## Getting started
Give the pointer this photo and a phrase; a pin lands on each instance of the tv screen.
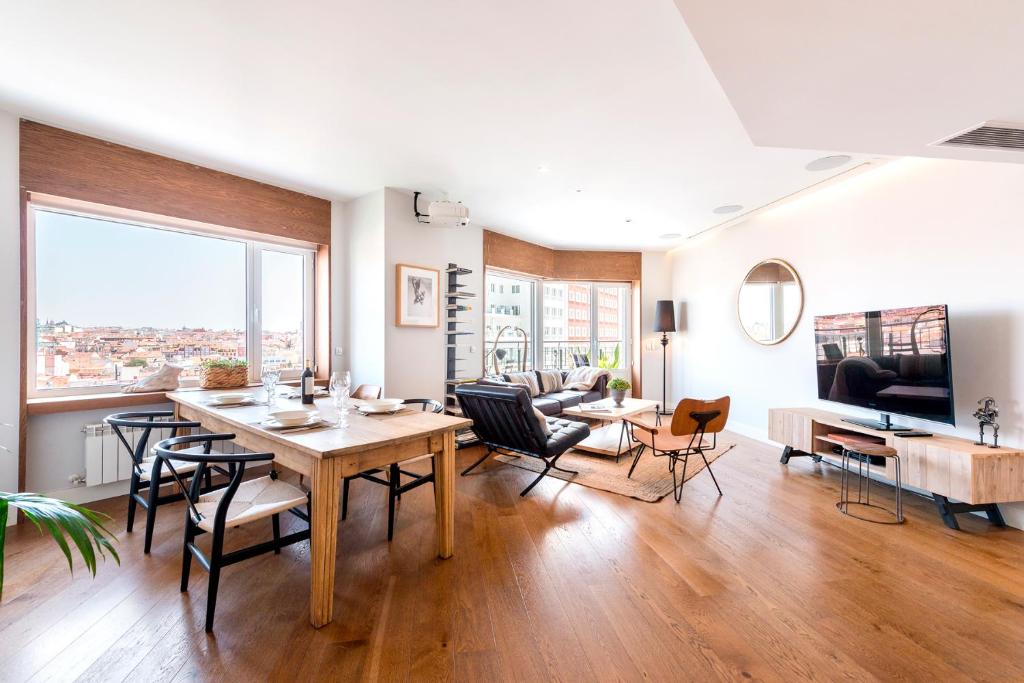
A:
(892, 361)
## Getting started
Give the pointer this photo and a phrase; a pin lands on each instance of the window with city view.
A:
(116, 301)
(576, 322)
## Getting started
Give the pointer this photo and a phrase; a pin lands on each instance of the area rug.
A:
(651, 481)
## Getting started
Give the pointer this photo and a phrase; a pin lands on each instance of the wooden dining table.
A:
(327, 455)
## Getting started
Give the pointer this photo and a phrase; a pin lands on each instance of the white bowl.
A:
(380, 405)
(290, 418)
(230, 398)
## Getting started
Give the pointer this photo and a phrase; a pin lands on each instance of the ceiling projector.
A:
(442, 212)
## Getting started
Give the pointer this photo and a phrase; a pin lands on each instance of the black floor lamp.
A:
(664, 322)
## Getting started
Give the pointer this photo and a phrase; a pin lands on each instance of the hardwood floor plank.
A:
(767, 583)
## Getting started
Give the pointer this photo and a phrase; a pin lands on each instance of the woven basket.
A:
(223, 378)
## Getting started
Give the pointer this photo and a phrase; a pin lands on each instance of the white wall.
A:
(913, 232)
(364, 300)
(339, 287)
(655, 284)
(416, 358)
(10, 303)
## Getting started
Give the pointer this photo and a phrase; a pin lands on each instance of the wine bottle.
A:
(307, 383)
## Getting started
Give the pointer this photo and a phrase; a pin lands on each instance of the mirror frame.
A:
(799, 313)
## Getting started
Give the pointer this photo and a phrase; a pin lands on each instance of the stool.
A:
(862, 454)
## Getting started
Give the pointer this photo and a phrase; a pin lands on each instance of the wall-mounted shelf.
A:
(454, 295)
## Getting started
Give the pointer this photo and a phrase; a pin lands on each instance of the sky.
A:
(93, 272)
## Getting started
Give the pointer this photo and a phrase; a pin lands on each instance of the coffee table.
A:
(608, 440)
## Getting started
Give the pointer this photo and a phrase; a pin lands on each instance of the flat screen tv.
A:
(892, 361)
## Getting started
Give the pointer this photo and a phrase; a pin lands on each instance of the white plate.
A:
(378, 409)
(290, 418)
(231, 398)
(271, 423)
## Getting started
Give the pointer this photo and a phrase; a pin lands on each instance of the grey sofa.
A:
(555, 402)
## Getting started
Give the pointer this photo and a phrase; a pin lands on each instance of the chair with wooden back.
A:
(692, 420)
(366, 392)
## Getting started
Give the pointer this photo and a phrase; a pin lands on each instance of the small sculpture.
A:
(987, 414)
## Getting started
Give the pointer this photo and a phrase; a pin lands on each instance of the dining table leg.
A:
(323, 544)
(444, 495)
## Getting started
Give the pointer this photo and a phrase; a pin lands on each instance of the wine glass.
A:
(270, 377)
(338, 387)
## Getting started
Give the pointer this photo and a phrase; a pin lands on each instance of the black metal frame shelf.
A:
(455, 304)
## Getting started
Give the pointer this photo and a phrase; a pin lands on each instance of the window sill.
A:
(114, 399)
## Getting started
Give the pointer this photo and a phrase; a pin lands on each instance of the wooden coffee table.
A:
(609, 439)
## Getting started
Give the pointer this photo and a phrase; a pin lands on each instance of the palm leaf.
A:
(61, 520)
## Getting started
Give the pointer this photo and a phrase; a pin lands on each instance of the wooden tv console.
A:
(978, 477)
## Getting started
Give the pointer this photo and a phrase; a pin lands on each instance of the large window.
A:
(508, 324)
(115, 300)
(576, 322)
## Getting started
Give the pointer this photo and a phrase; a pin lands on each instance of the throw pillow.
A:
(526, 379)
(542, 421)
(550, 380)
(164, 379)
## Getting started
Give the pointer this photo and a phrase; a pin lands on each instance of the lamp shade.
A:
(664, 316)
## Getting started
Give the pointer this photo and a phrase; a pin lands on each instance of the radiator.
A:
(106, 459)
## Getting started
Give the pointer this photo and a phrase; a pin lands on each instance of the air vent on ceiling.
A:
(989, 135)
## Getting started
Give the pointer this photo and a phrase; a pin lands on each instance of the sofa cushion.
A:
(547, 405)
(527, 379)
(550, 380)
(542, 421)
(564, 435)
(567, 399)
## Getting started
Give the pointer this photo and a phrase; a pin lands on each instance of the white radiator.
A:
(106, 459)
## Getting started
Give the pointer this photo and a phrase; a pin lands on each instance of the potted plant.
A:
(618, 388)
(223, 373)
(60, 518)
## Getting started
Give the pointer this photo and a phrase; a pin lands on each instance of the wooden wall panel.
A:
(65, 164)
(519, 256)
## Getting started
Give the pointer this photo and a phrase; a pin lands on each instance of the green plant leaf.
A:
(62, 520)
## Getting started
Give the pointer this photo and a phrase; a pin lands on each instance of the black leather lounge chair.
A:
(504, 420)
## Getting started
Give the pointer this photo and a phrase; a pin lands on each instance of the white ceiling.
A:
(871, 77)
(341, 98)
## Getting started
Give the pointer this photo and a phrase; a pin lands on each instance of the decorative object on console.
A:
(986, 414)
(223, 374)
(770, 301)
(417, 296)
(164, 379)
(618, 388)
(664, 322)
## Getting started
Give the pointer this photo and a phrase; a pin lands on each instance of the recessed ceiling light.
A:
(580, 190)
(629, 220)
(670, 236)
(727, 208)
(543, 169)
(828, 163)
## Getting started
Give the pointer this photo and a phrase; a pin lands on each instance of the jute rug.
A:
(651, 481)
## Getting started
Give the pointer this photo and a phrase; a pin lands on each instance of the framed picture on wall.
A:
(417, 296)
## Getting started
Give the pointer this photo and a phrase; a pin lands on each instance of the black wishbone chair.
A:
(692, 420)
(240, 502)
(147, 468)
(394, 472)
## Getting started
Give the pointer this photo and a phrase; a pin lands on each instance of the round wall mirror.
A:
(770, 301)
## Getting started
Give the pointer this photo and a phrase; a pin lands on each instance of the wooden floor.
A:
(766, 583)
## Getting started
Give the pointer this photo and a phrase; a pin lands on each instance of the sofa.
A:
(553, 403)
